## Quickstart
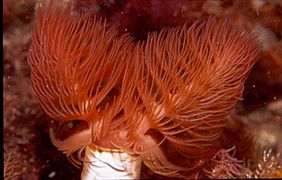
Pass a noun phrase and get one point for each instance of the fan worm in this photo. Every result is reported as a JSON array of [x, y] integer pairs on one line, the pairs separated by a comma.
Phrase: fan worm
[[191, 78], [164, 100]]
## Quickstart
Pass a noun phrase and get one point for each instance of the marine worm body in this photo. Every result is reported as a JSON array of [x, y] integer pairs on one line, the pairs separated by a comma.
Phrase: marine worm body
[[164, 100]]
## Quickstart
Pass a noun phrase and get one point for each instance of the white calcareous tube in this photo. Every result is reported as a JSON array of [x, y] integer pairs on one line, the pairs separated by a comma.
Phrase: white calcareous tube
[[101, 163]]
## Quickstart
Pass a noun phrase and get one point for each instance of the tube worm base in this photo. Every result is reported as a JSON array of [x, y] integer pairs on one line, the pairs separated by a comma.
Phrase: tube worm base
[[100, 163]]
